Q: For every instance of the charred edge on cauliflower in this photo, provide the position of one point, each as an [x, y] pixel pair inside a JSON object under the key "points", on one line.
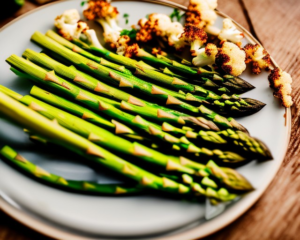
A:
{"points": [[158, 51], [126, 49], [195, 36], [258, 57], [281, 82], [100, 9], [202, 14], [231, 59], [156, 25], [206, 56]]}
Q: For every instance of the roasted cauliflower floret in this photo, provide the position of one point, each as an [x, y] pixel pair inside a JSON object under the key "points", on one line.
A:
{"points": [[206, 56], [71, 27], [281, 81], [201, 13], [196, 37], [230, 33], [174, 33], [258, 57], [67, 23], [102, 12], [156, 25], [231, 59], [126, 49]]}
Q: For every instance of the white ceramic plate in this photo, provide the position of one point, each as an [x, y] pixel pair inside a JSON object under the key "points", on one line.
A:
{"points": [[72, 216]]}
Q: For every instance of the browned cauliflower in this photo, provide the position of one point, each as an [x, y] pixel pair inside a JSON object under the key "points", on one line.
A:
{"points": [[281, 82], [71, 27], [100, 9], [231, 59], [126, 49], [156, 25], [206, 56], [201, 13], [258, 57], [102, 12], [159, 51], [196, 37]]}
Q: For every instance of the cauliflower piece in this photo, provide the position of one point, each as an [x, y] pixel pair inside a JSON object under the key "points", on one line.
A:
{"points": [[105, 14], [71, 27], [206, 56], [67, 23], [157, 25], [161, 25], [92, 38], [158, 51], [201, 13], [194, 36], [258, 57], [281, 81], [230, 33], [174, 33], [125, 49], [231, 59]]}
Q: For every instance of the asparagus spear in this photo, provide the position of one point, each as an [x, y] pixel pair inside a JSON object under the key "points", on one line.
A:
{"points": [[126, 81], [135, 105], [71, 185], [99, 104], [235, 84], [128, 62], [229, 105], [67, 139]]}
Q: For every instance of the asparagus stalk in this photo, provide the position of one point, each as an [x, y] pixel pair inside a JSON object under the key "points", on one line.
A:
{"points": [[86, 54], [37, 172], [134, 105], [131, 82], [234, 84], [229, 105], [85, 114], [67, 139], [124, 61], [98, 104]]}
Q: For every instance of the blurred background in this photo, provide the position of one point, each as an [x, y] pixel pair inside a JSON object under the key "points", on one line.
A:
{"points": [[11, 9]]}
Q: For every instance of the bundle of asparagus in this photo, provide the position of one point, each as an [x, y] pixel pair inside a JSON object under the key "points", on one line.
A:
{"points": [[172, 135], [215, 187]]}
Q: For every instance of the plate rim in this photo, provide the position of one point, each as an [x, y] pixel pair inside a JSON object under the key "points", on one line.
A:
{"points": [[53, 232]]}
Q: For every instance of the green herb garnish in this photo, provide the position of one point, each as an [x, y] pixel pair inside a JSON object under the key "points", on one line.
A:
{"points": [[130, 33], [126, 16], [83, 2], [176, 14]]}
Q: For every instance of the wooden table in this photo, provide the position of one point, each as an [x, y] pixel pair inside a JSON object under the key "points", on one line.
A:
{"points": [[276, 23]]}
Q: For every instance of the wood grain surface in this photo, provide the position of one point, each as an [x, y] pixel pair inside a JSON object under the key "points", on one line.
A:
{"points": [[276, 23]]}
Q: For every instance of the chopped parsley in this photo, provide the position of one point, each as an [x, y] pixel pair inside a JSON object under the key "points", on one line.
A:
{"points": [[130, 33], [176, 14], [126, 16], [83, 3]]}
